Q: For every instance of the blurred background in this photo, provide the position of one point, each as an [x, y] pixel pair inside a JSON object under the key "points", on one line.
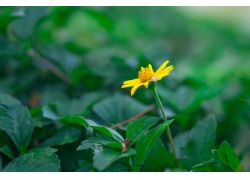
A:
{"points": [[58, 54]]}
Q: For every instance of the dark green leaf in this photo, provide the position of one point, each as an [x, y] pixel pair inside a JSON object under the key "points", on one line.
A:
{"points": [[99, 139], [85, 166], [24, 26], [117, 166], [118, 108], [200, 143], [137, 128], [158, 158], [24, 126], [6, 121], [7, 151], [105, 157], [227, 155], [146, 142], [1, 165], [37, 160], [213, 165], [63, 136]]}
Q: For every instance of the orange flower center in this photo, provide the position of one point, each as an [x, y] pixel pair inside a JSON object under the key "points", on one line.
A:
{"points": [[145, 75]]}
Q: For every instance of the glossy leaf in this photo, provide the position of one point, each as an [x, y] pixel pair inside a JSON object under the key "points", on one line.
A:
{"points": [[227, 155], [24, 126], [137, 128], [146, 142], [6, 121]]}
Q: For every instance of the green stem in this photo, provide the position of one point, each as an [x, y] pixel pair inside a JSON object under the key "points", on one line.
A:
{"points": [[152, 88]]}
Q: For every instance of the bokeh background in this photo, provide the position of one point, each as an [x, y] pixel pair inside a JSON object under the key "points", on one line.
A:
{"points": [[58, 54]]}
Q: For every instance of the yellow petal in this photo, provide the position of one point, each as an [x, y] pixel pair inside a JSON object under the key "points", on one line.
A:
{"points": [[150, 68], [161, 68], [165, 72], [133, 81], [128, 85], [146, 84], [134, 89]]}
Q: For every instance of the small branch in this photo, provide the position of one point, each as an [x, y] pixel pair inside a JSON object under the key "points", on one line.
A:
{"points": [[133, 118], [48, 65]]}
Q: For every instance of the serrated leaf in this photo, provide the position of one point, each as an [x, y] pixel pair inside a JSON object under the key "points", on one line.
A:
{"points": [[63, 136], [137, 128], [213, 165], [89, 123], [118, 108], [200, 143], [146, 142], [7, 151], [24, 126], [37, 160], [85, 166], [99, 139], [6, 121], [8, 100], [107, 156], [158, 158], [227, 155]]}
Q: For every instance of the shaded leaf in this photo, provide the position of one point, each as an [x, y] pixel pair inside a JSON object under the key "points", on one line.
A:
{"points": [[24, 126], [37, 160], [107, 156], [146, 142], [6, 121], [63, 136], [227, 155], [7, 151], [8, 100], [200, 143], [213, 165], [158, 158], [99, 139], [1, 165], [85, 166], [118, 108], [137, 128]]}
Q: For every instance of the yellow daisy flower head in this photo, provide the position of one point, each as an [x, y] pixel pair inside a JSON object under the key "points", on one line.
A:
{"points": [[145, 75]]}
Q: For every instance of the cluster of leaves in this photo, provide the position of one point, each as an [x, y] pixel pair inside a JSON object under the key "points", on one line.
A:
{"points": [[65, 73]]}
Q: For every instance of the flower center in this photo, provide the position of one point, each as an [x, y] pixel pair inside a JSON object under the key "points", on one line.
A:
{"points": [[145, 75]]}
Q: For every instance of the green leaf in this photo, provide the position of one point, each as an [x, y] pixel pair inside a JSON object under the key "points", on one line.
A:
{"points": [[99, 139], [227, 155], [107, 156], [63, 136], [24, 126], [6, 121], [213, 165], [37, 160], [158, 158], [24, 26], [85, 166], [89, 123], [1, 165], [8, 100], [118, 108], [117, 166], [200, 143], [137, 128], [146, 142], [7, 151]]}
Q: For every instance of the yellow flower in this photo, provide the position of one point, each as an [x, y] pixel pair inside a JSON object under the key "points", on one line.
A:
{"points": [[146, 75]]}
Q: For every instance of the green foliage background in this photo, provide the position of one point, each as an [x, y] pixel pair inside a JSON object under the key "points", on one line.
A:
{"points": [[60, 63]]}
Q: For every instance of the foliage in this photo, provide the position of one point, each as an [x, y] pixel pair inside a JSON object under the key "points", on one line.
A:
{"points": [[60, 90]]}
